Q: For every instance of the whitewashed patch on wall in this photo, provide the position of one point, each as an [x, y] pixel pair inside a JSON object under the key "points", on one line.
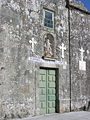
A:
{"points": [[63, 48], [65, 66], [82, 53], [82, 65], [32, 42]]}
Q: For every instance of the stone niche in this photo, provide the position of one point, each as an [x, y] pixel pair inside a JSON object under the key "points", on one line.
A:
{"points": [[48, 46]]}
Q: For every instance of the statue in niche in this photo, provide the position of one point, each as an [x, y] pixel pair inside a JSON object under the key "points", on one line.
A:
{"points": [[48, 51]]}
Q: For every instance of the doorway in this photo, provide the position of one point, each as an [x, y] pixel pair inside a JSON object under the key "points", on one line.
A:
{"points": [[48, 91]]}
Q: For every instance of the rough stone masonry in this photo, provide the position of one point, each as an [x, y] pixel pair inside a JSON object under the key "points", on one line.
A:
{"points": [[23, 45]]}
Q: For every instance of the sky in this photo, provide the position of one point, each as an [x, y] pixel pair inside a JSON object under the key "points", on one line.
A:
{"points": [[86, 3]]}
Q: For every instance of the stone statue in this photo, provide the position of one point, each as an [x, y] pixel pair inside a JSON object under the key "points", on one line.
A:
{"points": [[47, 48]]}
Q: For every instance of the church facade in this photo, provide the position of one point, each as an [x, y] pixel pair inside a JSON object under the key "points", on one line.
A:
{"points": [[44, 57]]}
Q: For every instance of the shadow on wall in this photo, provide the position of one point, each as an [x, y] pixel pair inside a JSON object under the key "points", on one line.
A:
{"points": [[85, 107]]}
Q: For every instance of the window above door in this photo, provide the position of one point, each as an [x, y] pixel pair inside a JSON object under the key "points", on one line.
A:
{"points": [[48, 20]]}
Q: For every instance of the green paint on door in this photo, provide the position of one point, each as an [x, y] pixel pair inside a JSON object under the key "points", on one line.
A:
{"points": [[47, 88]]}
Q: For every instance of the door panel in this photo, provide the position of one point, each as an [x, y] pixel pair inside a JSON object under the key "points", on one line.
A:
{"points": [[51, 88], [47, 90], [51, 85], [42, 91], [51, 72]]}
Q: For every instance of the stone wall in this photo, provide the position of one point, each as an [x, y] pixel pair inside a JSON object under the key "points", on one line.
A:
{"points": [[79, 38], [22, 21]]}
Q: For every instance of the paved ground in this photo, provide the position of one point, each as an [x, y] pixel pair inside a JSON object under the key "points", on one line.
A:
{"points": [[66, 116]]}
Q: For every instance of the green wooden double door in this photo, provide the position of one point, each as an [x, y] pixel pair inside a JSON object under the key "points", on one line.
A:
{"points": [[47, 91]]}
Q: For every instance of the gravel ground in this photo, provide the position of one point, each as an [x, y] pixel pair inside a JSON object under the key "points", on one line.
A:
{"points": [[83, 115]]}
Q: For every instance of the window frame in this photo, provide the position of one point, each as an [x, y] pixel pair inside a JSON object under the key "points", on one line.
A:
{"points": [[53, 15]]}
